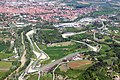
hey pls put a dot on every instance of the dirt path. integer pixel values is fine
(22, 60)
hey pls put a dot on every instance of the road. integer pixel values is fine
(66, 35)
(103, 26)
(48, 67)
(95, 49)
(56, 68)
(40, 55)
(116, 41)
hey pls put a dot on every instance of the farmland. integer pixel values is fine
(4, 67)
(5, 55)
(75, 67)
(59, 51)
(82, 64)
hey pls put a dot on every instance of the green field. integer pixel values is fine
(74, 73)
(2, 74)
(82, 36)
(72, 29)
(104, 49)
(2, 47)
(61, 51)
(45, 77)
(5, 55)
(5, 65)
(33, 77)
(41, 46)
(103, 12)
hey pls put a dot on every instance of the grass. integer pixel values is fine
(106, 37)
(47, 76)
(118, 39)
(2, 74)
(76, 72)
(35, 47)
(33, 77)
(41, 46)
(73, 73)
(4, 67)
(5, 55)
(81, 36)
(46, 61)
(72, 29)
(3, 49)
(62, 44)
(104, 48)
(103, 12)
(110, 61)
(5, 64)
(56, 53)
(59, 52)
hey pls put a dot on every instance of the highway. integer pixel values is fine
(48, 67)
(40, 55)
